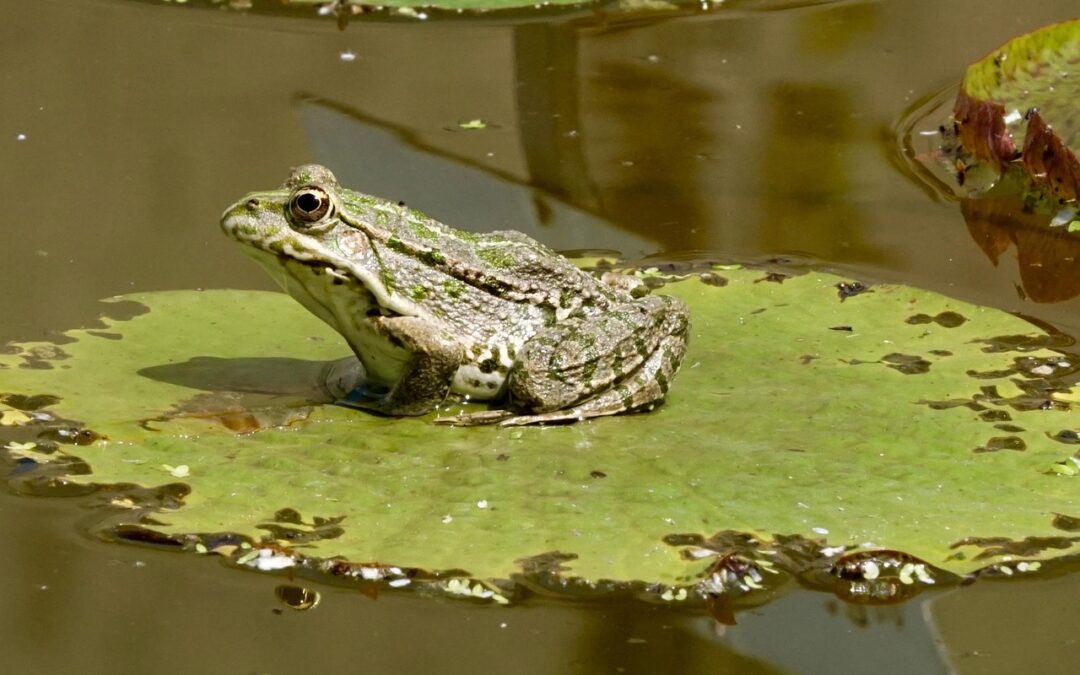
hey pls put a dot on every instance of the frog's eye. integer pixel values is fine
(309, 205)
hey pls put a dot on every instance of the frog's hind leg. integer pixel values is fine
(615, 364)
(577, 360)
(642, 391)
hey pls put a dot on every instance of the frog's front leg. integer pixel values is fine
(434, 357)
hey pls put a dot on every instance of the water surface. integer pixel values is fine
(743, 134)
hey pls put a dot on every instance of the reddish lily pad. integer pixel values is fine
(1019, 108)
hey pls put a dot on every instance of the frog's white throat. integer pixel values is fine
(343, 303)
(323, 278)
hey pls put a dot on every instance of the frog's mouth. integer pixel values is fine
(337, 275)
(317, 285)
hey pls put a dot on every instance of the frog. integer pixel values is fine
(432, 312)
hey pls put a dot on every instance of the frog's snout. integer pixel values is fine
(245, 211)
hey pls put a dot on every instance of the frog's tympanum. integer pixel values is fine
(430, 310)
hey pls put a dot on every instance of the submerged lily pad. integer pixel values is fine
(836, 422)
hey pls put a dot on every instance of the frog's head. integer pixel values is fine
(296, 220)
(299, 234)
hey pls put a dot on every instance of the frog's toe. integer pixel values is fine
(556, 417)
(476, 419)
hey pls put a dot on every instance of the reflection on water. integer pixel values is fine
(812, 176)
(1048, 258)
(997, 215)
(391, 162)
(642, 160)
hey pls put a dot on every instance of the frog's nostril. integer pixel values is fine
(253, 204)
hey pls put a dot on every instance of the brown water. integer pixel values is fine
(739, 133)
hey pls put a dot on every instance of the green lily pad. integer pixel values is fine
(840, 422)
(1017, 108)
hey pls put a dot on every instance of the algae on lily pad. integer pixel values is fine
(815, 425)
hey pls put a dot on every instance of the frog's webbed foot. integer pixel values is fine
(339, 378)
(344, 382)
(424, 382)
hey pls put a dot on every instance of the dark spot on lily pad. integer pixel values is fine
(907, 363)
(1029, 546)
(849, 289)
(290, 516)
(1067, 436)
(955, 403)
(42, 356)
(1067, 523)
(218, 539)
(1009, 428)
(105, 334)
(995, 416)
(845, 329)
(713, 279)
(684, 539)
(990, 374)
(598, 474)
(944, 319)
(949, 319)
(296, 535)
(72, 436)
(1003, 443)
(773, 277)
(1028, 343)
(551, 562)
(29, 403)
